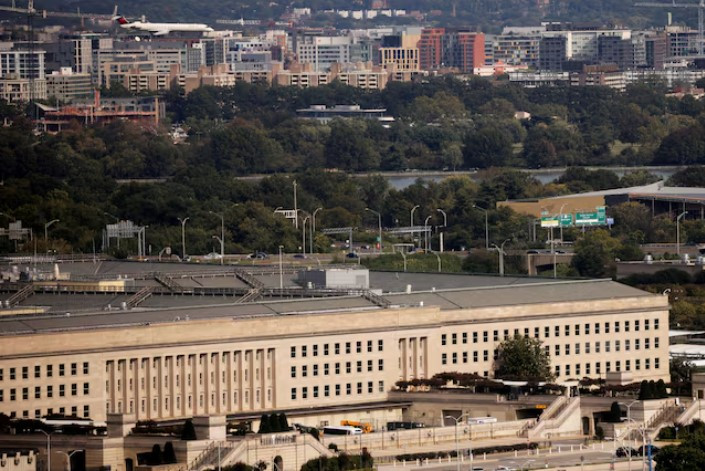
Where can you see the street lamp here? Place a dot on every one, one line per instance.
(183, 236)
(641, 429)
(303, 235)
(445, 224)
(487, 227)
(411, 224)
(501, 252)
(46, 228)
(457, 446)
(425, 231)
(379, 224)
(678, 232)
(560, 221)
(222, 248)
(9, 216)
(222, 235)
(48, 434)
(281, 269)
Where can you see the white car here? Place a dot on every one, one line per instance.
(504, 468)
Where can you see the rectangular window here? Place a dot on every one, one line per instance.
(647, 343)
(337, 390)
(444, 339)
(485, 355)
(37, 392)
(557, 370)
(636, 326)
(608, 366)
(369, 365)
(587, 329)
(597, 368)
(626, 326)
(637, 344)
(369, 346)
(13, 374)
(465, 337)
(85, 369)
(587, 347)
(656, 326)
(618, 365)
(607, 327)
(627, 345)
(577, 349)
(607, 346)
(293, 352)
(656, 342)
(359, 388)
(50, 391)
(380, 345)
(293, 372)
(629, 365)
(37, 371)
(380, 386)
(74, 389)
(474, 357)
(358, 347)
(86, 389)
(526, 331)
(74, 369)
(637, 364)
(337, 368)
(25, 372)
(617, 345)
(304, 392)
(646, 324)
(315, 350)
(657, 361)
(557, 331)
(370, 387)
(577, 329)
(348, 347)
(444, 359)
(325, 369)
(348, 389)
(485, 336)
(597, 327)
(25, 393)
(546, 331)
(647, 363)
(304, 371)
(587, 369)
(567, 370)
(616, 327)
(567, 330)
(495, 335)
(325, 349)
(380, 364)
(465, 357)
(62, 390)
(557, 350)
(455, 358)
(304, 351)
(86, 411)
(337, 349)
(348, 367)
(454, 338)
(536, 332)
(577, 369)
(567, 349)
(315, 391)
(315, 370)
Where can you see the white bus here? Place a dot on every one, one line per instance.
(342, 430)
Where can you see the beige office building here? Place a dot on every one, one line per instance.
(316, 354)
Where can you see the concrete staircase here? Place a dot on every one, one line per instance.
(691, 413)
(562, 417)
(21, 295)
(139, 296)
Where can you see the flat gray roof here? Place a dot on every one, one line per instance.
(512, 292)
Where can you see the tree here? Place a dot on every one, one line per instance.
(523, 358)
(189, 431)
(155, 458)
(282, 422)
(615, 412)
(488, 147)
(265, 424)
(595, 253)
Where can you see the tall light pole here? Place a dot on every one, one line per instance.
(303, 235)
(183, 236)
(222, 235)
(296, 208)
(281, 269)
(641, 429)
(500, 249)
(678, 232)
(379, 226)
(48, 434)
(457, 449)
(222, 248)
(560, 221)
(9, 216)
(445, 224)
(425, 231)
(46, 228)
(412, 221)
(313, 227)
(487, 227)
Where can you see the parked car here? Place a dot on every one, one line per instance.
(654, 450)
(625, 451)
(352, 255)
(258, 256)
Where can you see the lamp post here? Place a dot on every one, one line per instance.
(412, 222)
(281, 269)
(222, 248)
(457, 446)
(500, 250)
(445, 224)
(678, 232)
(222, 235)
(46, 228)
(9, 216)
(48, 435)
(425, 231)
(560, 221)
(379, 225)
(487, 227)
(303, 235)
(313, 227)
(183, 236)
(629, 418)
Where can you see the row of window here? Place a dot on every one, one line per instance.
(50, 411)
(189, 402)
(325, 349)
(315, 390)
(587, 329)
(23, 372)
(454, 357)
(337, 368)
(191, 360)
(608, 367)
(49, 392)
(177, 379)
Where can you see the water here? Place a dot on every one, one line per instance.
(545, 176)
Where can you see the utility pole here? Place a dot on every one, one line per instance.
(183, 236)
(296, 208)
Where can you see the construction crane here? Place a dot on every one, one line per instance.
(701, 18)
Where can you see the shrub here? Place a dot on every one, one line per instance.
(189, 431)
(169, 453)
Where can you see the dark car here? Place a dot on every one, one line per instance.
(352, 255)
(625, 451)
(258, 255)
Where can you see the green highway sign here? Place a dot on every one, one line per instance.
(593, 218)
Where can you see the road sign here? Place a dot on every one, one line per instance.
(593, 218)
(558, 220)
